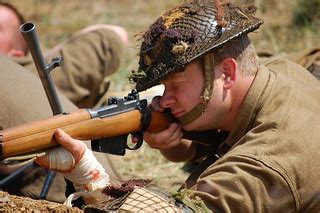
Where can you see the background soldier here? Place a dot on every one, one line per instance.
(89, 56)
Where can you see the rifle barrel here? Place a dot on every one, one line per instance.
(28, 32)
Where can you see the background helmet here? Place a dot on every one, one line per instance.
(186, 32)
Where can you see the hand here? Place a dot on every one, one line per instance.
(77, 164)
(76, 149)
(165, 139)
(169, 141)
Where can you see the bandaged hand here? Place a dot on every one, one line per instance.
(77, 164)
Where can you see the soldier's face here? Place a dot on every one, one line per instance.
(183, 90)
(9, 31)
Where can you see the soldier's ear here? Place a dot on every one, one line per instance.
(16, 53)
(229, 72)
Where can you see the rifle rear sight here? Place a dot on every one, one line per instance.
(117, 145)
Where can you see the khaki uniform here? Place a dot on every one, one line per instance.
(88, 59)
(22, 100)
(273, 160)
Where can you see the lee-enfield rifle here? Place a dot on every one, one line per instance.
(107, 127)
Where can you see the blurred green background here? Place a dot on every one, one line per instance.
(290, 26)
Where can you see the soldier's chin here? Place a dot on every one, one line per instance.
(191, 126)
(198, 124)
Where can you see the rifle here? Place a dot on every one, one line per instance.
(108, 127)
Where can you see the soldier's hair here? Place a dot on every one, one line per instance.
(14, 10)
(241, 49)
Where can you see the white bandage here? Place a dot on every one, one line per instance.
(89, 179)
(88, 173)
(61, 159)
(88, 176)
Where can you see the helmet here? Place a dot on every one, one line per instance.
(187, 32)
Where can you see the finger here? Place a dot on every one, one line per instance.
(75, 147)
(155, 104)
(158, 138)
(173, 141)
(161, 139)
(176, 131)
(134, 139)
(43, 161)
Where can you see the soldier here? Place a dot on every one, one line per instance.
(89, 56)
(214, 80)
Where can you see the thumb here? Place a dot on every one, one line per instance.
(75, 147)
(155, 104)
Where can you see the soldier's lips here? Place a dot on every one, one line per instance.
(178, 114)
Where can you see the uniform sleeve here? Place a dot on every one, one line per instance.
(244, 184)
(88, 59)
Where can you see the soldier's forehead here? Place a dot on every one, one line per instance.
(174, 77)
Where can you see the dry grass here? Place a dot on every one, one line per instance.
(57, 19)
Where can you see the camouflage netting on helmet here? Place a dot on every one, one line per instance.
(186, 32)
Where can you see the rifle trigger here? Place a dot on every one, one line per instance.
(139, 136)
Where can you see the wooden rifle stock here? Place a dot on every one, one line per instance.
(38, 135)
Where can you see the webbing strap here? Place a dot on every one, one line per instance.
(206, 93)
(193, 114)
(195, 174)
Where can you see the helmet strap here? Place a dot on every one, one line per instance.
(200, 108)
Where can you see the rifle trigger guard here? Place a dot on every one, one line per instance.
(145, 122)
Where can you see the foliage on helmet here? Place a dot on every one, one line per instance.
(185, 33)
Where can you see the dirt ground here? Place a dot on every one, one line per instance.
(11, 203)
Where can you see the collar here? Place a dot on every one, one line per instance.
(254, 98)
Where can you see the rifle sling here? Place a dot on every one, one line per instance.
(195, 174)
